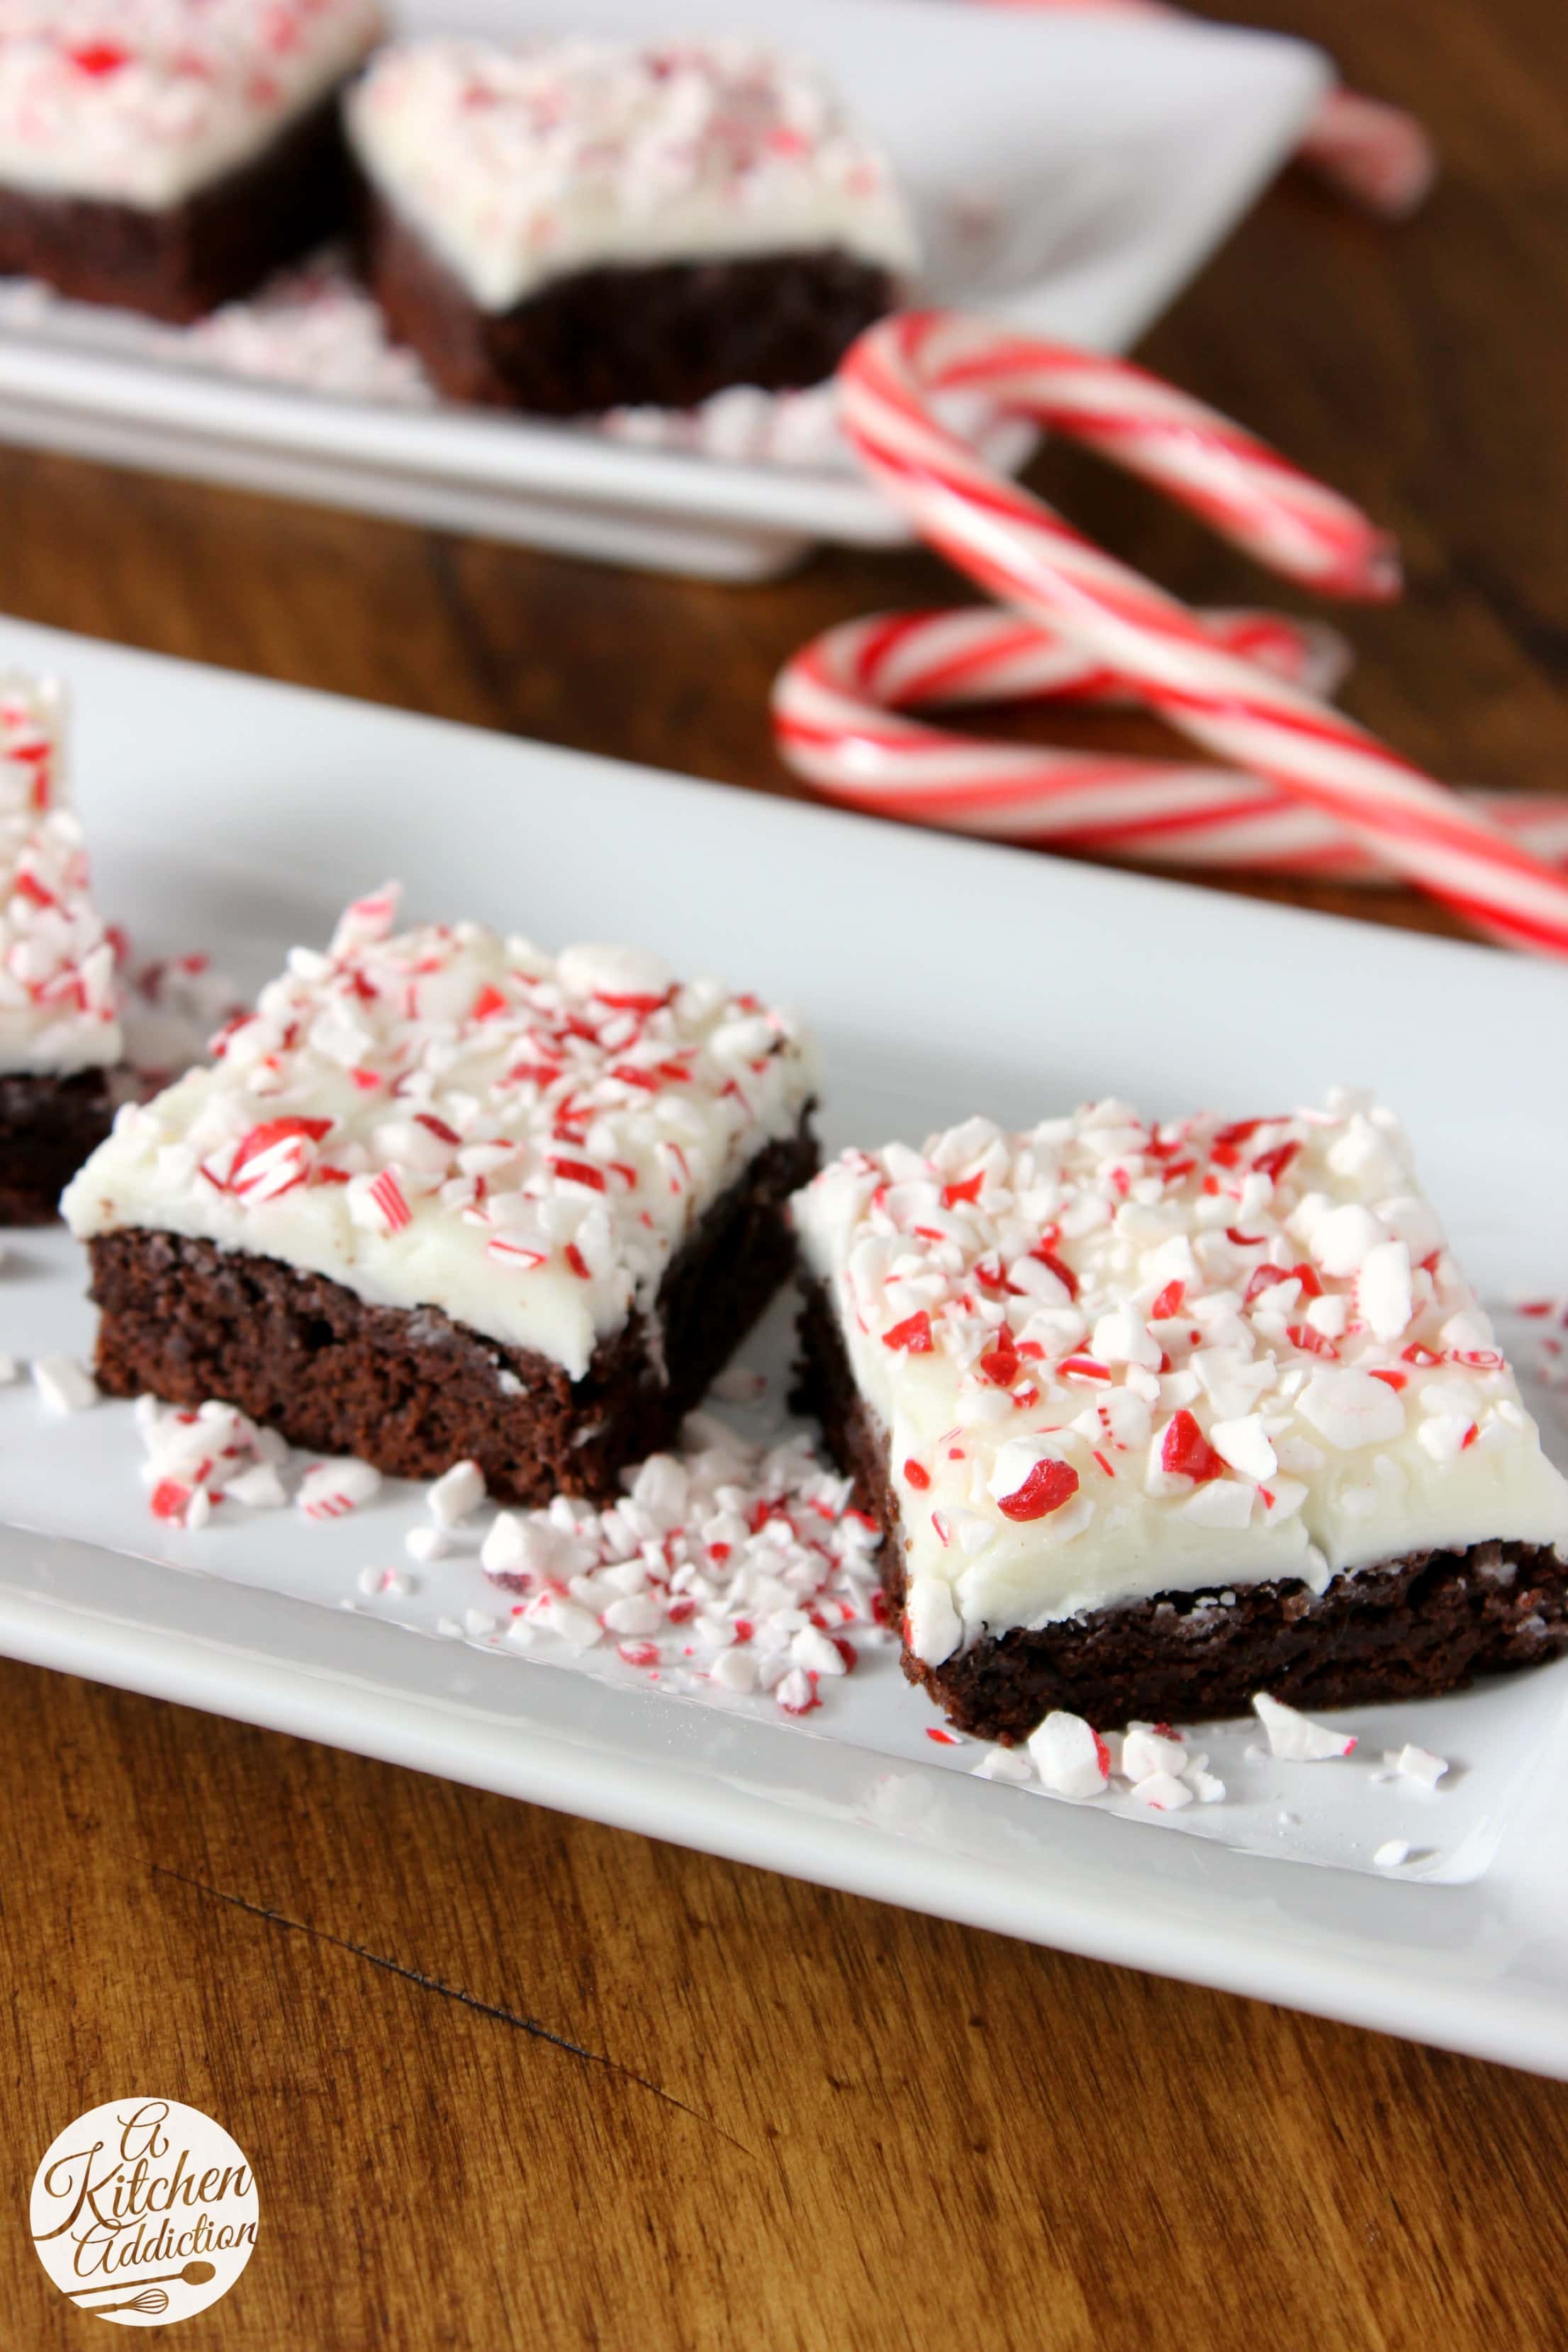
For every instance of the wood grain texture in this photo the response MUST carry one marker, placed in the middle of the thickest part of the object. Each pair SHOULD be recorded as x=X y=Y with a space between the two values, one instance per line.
x=789 y=2118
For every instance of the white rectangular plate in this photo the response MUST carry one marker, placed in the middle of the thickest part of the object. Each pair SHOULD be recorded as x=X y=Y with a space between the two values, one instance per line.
x=1069 y=176
x=941 y=976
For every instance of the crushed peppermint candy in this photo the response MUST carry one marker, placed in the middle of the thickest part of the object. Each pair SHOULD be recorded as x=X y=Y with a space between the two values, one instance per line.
x=1147 y=1752
x=1162 y=1793
x=456 y=1494
x=1147 y=1762
x=525 y=162
x=1070 y=1756
x=1416 y=1765
x=57 y=1002
x=743 y=1565
x=444 y=1117
x=330 y=1490
x=200 y=1457
x=391 y=1580
x=1295 y=1737
x=428 y=1544
x=315 y=327
x=64 y=1383
x=1392 y=1853
x=143 y=101
x=1122 y=1359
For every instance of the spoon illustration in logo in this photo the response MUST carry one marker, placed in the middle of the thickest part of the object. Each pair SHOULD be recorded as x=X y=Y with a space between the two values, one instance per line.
x=193 y=2275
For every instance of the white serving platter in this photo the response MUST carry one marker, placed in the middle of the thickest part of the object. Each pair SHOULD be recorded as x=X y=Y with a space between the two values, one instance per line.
x=1069 y=176
x=941 y=976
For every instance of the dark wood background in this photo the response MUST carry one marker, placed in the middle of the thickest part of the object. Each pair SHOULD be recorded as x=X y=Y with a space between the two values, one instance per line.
x=881 y=2131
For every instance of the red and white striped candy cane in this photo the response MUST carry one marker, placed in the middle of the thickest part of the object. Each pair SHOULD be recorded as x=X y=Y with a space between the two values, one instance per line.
x=835 y=713
x=1375 y=153
x=1014 y=545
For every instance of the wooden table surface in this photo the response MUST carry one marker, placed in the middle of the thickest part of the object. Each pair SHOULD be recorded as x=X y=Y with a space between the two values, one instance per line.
x=791 y=2119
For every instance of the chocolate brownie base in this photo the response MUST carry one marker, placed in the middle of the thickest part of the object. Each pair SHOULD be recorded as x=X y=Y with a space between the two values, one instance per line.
x=49 y=1126
x=1404 y=1629
x=179 y=261
x=415 y=1392
x=668 y=335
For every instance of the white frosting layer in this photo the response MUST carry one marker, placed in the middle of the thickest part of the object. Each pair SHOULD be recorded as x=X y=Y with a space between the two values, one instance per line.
x=521 y=165
x=142 y=101
x=1115 y=1360
x=447 y=1118
x=57 y=965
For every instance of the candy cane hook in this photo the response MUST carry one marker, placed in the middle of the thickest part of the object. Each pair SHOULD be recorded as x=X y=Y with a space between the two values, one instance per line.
x=1014 y=545
x=834 y=715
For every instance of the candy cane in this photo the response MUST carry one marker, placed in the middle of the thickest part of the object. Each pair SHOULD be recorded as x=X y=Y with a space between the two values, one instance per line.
x=1014 y=544
x=831 y=713
x=1377 y=154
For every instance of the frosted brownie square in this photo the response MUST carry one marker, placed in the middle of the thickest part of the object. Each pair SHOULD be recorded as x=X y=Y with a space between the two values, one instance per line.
x=444 y=1196
x=163 y=156
x=1158 y=1416
x=59 y=1029
x=584 y=225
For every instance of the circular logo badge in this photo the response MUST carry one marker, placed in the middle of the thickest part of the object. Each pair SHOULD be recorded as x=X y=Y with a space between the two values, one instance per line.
x=145 y=2211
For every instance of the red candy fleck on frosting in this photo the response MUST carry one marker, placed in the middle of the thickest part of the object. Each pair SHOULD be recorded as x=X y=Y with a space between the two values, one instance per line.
x=999 y=1365
x=1063 y=1272
x=912 y=1334
x=275 y=1156
x=579 y=1171
x=97 y=58
x=1048 y=1485
x=633 y=1004
x=392 y=1201
x=1186 y=1452
x=1273 y=1164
